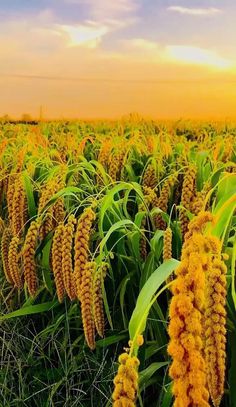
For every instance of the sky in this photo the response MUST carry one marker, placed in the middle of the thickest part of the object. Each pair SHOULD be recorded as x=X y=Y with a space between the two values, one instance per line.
x=107 y=58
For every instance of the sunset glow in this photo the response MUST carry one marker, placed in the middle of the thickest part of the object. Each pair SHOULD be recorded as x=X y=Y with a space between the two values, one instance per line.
x=91 y=59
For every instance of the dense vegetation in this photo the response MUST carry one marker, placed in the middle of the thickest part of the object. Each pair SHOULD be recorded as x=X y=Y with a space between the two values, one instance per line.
x=93 y=221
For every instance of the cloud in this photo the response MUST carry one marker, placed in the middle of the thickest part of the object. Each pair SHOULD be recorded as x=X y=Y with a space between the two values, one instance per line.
x=88 y=35
x=196 y=56
x=37 y=36
x=195 y=11
x=103 y=17
x=137 y=44
x=28 y=36
x=175 y=54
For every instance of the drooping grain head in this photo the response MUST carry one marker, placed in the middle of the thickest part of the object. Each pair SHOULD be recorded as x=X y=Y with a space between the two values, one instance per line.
x=67 y=261
x=81 y=246
x=149 y=177
x=13 y=262
x=215 y=323
x=29 y=264
x=5 y=243
x=188 y=190
x=167 y=244
x=126 y=381
x=186 y=323
x=86 y=300
x=163 y=200
x=98 y=313
x=57 y=261
x=19 y=207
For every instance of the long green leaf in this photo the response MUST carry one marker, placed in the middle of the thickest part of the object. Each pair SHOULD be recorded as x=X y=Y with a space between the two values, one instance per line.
x=147 y=373
x=32 y=309
x=29 y=195
x=139 y=317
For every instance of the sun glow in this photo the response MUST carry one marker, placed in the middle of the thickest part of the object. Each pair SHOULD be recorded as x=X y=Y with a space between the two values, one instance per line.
x=196 y=56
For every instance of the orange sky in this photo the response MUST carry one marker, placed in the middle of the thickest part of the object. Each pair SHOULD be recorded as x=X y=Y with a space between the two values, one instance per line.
x=96 y=59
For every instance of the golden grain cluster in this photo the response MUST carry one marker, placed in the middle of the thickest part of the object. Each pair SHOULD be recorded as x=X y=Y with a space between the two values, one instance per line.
x=197 y=319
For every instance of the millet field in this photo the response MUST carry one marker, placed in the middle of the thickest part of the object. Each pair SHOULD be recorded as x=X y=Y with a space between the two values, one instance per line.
x=117 y=273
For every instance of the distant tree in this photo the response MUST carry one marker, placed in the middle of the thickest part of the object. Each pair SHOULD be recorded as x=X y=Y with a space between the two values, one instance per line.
x=26 y=117
x=5 y=118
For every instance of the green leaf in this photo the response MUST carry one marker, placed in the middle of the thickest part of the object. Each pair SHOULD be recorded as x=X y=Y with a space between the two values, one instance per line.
x=101 y=343
x=46 y=266
x=145 y=299
x=68 y=191
x=233 y=265
x=109 y=199
x=118 y=225
x=167 y=399
x=122 y=298
x=106 y=306
x=29 y=195
x=32 y=309
x=156 y=243
x=147 y=373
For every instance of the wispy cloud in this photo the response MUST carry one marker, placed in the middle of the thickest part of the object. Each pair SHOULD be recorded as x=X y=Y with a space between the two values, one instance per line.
x=196 y=56
x=195 y=11
x=103 y=16
x=88 y=34
x=140 y=44
x=177 y=54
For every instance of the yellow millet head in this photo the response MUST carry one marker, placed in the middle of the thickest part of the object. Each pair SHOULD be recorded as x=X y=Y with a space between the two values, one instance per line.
x=143 y=241
x=215 y=327
x=188 y=190
x=29 y=264
x=86 y=299
x=98 y=313
x=2 y=226
x=10 y=195
x=19 y=207
x=81 y=245
x=67 y=263
x=123 y=358
x=126 y=381
x=57 y=261
x=198 y=201
x=47 y=191
x=162 y=201
x=140 y=340
x=185 y=327
x=167 y=244
x=199 y=223
x=13 y=261
x=59 y=211
x=104 y=153
x=149 y=177
x=5 y=242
